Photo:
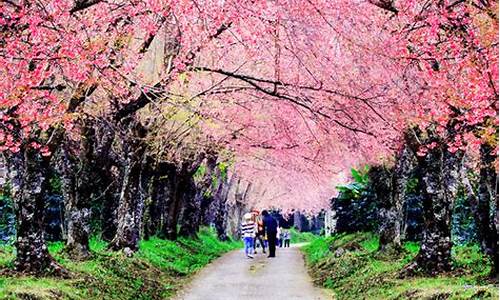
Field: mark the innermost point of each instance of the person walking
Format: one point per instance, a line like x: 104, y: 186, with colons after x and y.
x: 260, y: 236
x: 286, y: 238
x: 280, y: 237
x: 271, y: 227
x: 248, y: 229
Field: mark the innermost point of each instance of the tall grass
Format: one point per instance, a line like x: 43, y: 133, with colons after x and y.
x: 156, y: 271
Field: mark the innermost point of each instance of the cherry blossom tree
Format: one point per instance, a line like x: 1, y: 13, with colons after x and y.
x: 296, y: 91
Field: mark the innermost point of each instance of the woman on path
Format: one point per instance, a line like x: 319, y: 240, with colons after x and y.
x: 248, y: 229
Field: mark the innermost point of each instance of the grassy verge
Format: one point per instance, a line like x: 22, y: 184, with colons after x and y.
x: 351, y: 267
x: 301, y: 237
x: 156, y: 271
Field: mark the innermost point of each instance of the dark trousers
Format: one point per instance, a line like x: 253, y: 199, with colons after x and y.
x: 287, y: 243
x: 271, y: 238
x: 261, y: 241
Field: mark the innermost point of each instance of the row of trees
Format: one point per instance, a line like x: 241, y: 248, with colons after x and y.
x: 430, y: 199
x: 128, y: 99
x: 121, y: 200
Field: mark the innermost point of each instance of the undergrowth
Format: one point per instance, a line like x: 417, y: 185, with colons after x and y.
x: 156, y: 271
x: 351, y: 266
x: 301, y: 237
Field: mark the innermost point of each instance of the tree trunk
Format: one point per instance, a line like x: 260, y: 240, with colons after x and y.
x: 198, y: 199
x: 106, y: 176
x: 28, y: 177
x: 173, y: 208
x: 190, y: 219
x: 77, y: 189
x: 207, y: 189
x: 183, y: 192
x: 152, y: 204
x: 131, y: 203
x: 236, y: 209
x: 220, y: 206
x: 392, y: 212
x: 486, y: 208
x: 440, y: 174
x: 109, y: 198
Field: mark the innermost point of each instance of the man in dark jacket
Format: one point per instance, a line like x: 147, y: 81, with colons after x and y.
x: 271, y: 227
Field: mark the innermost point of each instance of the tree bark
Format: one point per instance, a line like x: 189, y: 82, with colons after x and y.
x: 77, y: 189
x: 28, y: 172
x: 392, y: 211
x: 220, y: 206
x: 152, y: 204
x: 486, y: 208
x: 198, y: 199
x: 173, y: 207
x: 207, y: 189
x: 190, y: 217
x: 131, y: 203
x: 440, y: 174
x: 106, y: 182
x: 182, y: 192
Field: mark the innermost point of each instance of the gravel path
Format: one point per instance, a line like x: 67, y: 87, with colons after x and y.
x: 235, y: 277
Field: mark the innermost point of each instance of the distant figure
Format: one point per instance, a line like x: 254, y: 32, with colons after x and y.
x: 286, y: 238
x: 260, y: 236
x: 271, y: 227
x: 280, y: 237
x: 248, y: 229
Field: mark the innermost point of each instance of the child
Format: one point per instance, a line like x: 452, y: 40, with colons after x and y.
x: 286, y: 238
x: 248, y: 229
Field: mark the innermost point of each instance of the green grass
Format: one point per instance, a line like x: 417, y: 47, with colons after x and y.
x: 301, y: 237
x: 156, y: 271
x: 351, y: 266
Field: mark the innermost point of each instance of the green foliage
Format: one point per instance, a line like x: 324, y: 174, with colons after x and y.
x: 7, y: 218
x: 55, y: 184
x: 464, y: 228
x: 361, y: 176
x: 411, y: 185
x: 301, y: 237
x: 355, y: 189
x: 351, y: 266
x: 223, y: 167
x: 412, y: 247
x: 156, y: 271
x: 200, y: 173
x: 470, y: 258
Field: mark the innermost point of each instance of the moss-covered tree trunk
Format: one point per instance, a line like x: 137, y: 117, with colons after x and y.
x: 28, y: 172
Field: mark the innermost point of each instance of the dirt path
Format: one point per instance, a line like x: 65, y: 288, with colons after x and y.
x: 235, y: 277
